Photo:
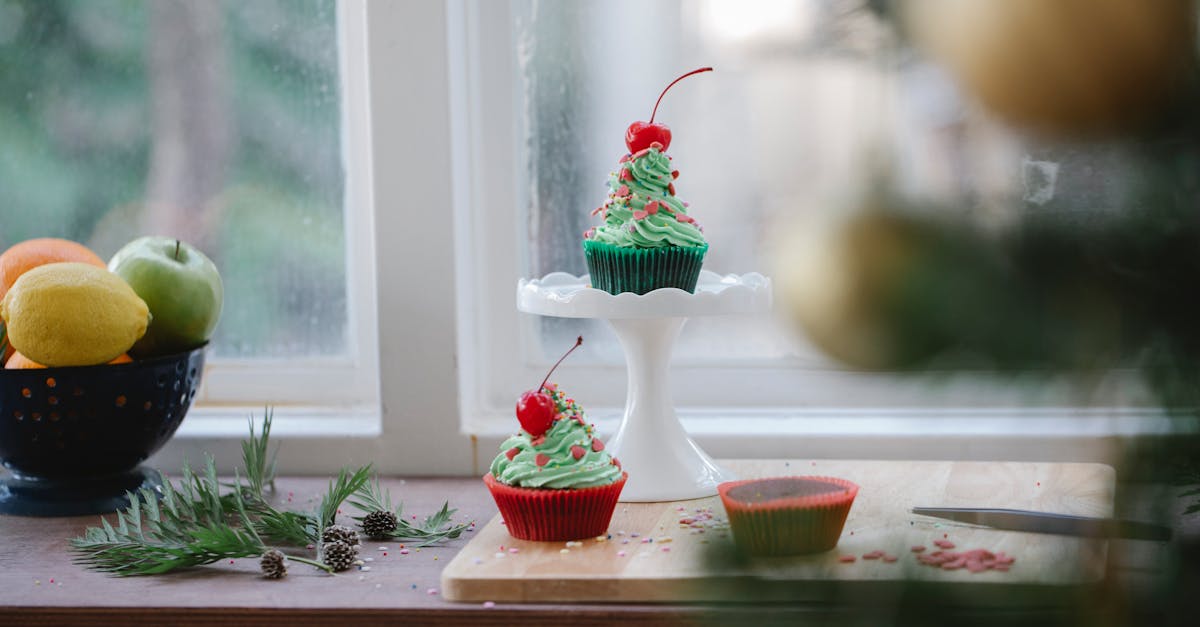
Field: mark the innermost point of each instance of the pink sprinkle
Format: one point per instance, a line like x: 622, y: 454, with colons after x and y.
x: 52, y: 580
x: 666, y: 549
x: 230, y: 561
x: 918, y: 549
x: 889, y: 558
x: 404, y: 551
x: 847, y: 559
x: 944, y: 544
x: 1039, y: 484
x: 431, y: 591
x: 873, y: 555
x: 385, y: 553
x: 489, y: 604
x: 620, y: 553
x: 514, y: 550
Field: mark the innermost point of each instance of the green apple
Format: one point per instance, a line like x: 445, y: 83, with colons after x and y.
x: 180, y: 285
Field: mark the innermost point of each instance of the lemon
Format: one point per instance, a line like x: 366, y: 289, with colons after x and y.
x: 73, y: 314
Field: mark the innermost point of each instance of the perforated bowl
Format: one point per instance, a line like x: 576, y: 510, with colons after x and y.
x: 72, y: 438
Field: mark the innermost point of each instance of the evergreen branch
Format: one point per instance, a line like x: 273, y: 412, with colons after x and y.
x: 258, y: 464
x: 345, y: 486
x: 150, y: 539
x: 432, y: 530
x: 371, y: 497
x: 194, y: 524
x: 288, y: 528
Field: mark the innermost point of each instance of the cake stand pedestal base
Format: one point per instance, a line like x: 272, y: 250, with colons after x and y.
x: 664, y: 464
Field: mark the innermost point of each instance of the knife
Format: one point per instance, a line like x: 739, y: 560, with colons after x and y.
x: 1045, y: 522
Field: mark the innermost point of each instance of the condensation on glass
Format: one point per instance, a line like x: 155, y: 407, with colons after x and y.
x: 214, y: 122
x: 810, y: 102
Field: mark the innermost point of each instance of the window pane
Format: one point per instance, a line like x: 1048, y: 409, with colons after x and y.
x: 807, y: 96
x: 214, y: 122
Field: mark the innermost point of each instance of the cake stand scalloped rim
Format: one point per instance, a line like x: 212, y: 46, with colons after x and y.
x: 564, y: 295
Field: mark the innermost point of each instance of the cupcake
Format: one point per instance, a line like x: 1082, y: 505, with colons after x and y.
x: 787, y: 515
x: 554, y: 480
x: 647, y: 241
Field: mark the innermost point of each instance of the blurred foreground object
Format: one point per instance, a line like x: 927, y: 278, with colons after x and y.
x: 1062, y: 67
x: 891, y: 287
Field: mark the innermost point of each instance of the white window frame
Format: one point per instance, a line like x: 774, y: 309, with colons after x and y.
x: 431, y: 209
x: 397, y: 391
x: 732, y: 409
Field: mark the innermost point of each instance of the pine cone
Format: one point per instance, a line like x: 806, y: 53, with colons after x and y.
x: 339, y: 555
x: 273, y: 564
x: 379, y: 525
x: 340, y: 533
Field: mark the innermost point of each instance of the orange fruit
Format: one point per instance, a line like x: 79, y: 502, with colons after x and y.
x: 19, y: 361
x: 29, y: 254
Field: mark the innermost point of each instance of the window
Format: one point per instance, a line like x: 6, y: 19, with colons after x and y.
x: 807, y: 97
x: 220, y: 123
x: 442, y: 150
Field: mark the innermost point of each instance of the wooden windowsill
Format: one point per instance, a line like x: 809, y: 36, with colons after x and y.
x: 40, y: 585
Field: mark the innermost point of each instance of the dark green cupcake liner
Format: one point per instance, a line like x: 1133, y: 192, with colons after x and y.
x: 617, y: 269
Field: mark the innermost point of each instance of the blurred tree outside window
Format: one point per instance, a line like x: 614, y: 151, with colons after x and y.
x: 214, y: 122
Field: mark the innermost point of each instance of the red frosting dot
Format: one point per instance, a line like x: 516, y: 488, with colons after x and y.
x: 511, y: 453
x: 626, y: 175
x: 674, y: 174
x: 671, y: 188
x: 541, y: 459
x: 623, y: 190
x: 640, y: 215
x: 683, y: 217
x: 577, y: 451
x: 597, y: 445
x: 538, y: 440
x: 652, y: 207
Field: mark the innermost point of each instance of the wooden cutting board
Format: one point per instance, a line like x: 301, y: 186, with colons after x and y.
x: 652, y: 556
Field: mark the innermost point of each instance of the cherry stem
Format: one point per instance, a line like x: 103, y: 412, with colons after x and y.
x: 176, y: 250
x: 664, y: 92
x: 578, y: 341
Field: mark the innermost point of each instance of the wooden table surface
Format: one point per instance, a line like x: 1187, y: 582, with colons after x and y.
x: 39, y: 585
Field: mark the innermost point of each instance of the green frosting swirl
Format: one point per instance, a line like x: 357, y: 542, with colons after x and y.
x: 642, y: 210
x: 561, y: 469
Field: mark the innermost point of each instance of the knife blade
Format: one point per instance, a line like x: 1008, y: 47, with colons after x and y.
x: 1047, y: 522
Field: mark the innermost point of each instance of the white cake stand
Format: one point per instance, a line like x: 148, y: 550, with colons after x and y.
x: 663, y: 463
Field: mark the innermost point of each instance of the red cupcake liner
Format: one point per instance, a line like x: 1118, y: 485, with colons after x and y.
x: 789, y: 525
x: 549, y: 514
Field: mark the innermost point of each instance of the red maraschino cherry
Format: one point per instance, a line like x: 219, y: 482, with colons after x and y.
x: 535, y: 410
x: 640, y: 134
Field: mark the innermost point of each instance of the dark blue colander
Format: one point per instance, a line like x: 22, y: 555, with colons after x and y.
x: 72, y: 438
